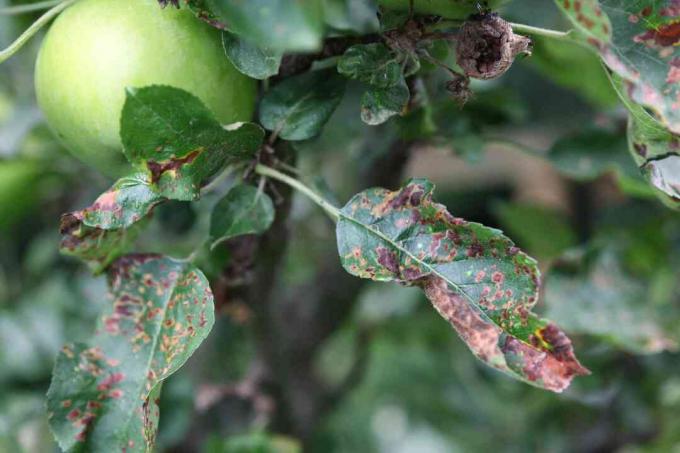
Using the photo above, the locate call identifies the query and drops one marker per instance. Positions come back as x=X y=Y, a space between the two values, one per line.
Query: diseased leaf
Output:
x=652 y=147
x=474 y=276
x=103 y=395
x=592 y=294
x=251 y=60
x=374 y=64
x=129 y=200
x=298 y=107
x=170 y=134
x=655 y=150
x=95 y=246
x=243 y=210
x=177 y=146
x=380 y=104
x=282 y=25
x=664 y=174
x=658 y=154
x=639 y=42
x=588 y=17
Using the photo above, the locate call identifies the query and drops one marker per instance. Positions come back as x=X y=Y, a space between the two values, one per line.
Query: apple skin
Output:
x=449 y=9
x=97 y=48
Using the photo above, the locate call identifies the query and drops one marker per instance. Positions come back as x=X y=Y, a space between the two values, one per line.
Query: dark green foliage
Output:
x=354 y=100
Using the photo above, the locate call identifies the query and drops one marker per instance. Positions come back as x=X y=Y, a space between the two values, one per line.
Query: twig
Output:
x=296 y=184
x=33 y=29
x=31 y=7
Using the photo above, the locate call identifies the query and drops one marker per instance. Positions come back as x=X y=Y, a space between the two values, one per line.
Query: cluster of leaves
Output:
x=104 y=391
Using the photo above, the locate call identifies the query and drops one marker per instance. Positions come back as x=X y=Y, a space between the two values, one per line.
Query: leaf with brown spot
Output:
x=161 y=311
x=170 y=135
x=474 y=276
x=96 y=246
x=640 y=42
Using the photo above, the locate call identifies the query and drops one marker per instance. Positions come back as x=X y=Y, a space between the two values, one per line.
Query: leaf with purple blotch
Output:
x=474 y=276
x=103 y=395
x=640 y=42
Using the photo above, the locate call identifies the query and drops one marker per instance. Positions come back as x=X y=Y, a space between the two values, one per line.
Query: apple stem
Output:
x=33 y=29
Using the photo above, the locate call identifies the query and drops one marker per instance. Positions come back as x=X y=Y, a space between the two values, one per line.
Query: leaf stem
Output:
x=530 y=30
x=296 y=184
x=33 y=29
x=29 y=8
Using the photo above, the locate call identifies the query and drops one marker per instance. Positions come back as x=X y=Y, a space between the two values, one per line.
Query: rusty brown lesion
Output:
x=551 y=364
x=157 y=169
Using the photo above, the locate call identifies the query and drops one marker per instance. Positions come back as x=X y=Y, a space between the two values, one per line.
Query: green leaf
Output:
x=591 y=293
x=298 y=107
x=103 y=395
x=170 y=134
x=243 y=210
x=474 y=276
x=374 y=64
x=380 y=104
x=281 y=25
x=639 y=42
x=253 y=61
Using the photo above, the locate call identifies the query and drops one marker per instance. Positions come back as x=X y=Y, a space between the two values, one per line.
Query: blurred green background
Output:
x=540 y=153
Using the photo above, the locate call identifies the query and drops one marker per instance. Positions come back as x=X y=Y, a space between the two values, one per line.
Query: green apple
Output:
x=450 y=9
x=97 y=48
